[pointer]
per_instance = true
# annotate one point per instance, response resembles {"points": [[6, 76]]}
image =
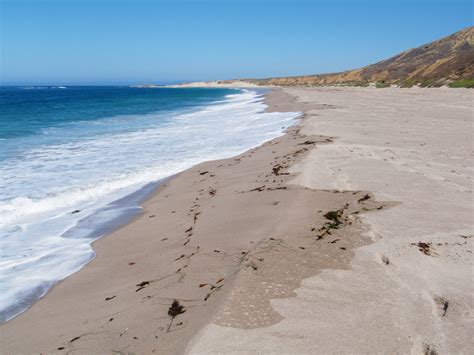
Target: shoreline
{"points": [[111, 211], [97, 310]]}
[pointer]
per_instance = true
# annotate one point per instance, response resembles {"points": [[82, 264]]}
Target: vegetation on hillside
{"points": [[448, 61]]}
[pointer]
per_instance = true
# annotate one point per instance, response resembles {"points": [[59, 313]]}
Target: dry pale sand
{"points": [[408, 146], [235, 221]]}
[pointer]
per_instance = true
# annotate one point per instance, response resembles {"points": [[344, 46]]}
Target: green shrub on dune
{"points": [[408, 83], [464, 83], [381, 84]]}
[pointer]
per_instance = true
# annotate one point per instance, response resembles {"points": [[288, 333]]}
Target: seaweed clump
{"points": [[335, 218], [175, 310]]}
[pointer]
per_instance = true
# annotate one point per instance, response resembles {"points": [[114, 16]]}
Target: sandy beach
{"points": [[411, 289], [351, 233]]}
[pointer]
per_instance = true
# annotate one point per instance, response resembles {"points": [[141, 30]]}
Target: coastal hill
{"points": [[449, 60]]}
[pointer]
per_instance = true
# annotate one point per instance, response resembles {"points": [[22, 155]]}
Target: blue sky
{"points": [[67, 42]]}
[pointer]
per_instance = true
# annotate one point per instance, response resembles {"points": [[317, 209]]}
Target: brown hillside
{"points": [[446, 60]]}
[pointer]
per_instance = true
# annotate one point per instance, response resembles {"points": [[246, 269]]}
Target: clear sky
{"points": [[56, 42]]}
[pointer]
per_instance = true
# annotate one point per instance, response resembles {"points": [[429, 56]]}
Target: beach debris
{"points": [[75, 211], [110, 298], [182, 256], [308, 143], [334, 241], [151, 216], [74, 339], [276, 169], [429, 350], [260, 188], [342, 248], [276, 188], [131, 263], [212, 191], [334, 217], [299, 151], [214, 288], [365, 198], [188, 230], [385, 260], [442, 304], [175, 310], [142, 285], [425, 248], [204, 173], [61, 348]]}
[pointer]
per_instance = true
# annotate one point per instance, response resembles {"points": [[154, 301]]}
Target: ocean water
{"points": [[75, 162]]}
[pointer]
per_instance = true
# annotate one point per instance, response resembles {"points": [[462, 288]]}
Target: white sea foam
{"points": [[44, 238]]}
